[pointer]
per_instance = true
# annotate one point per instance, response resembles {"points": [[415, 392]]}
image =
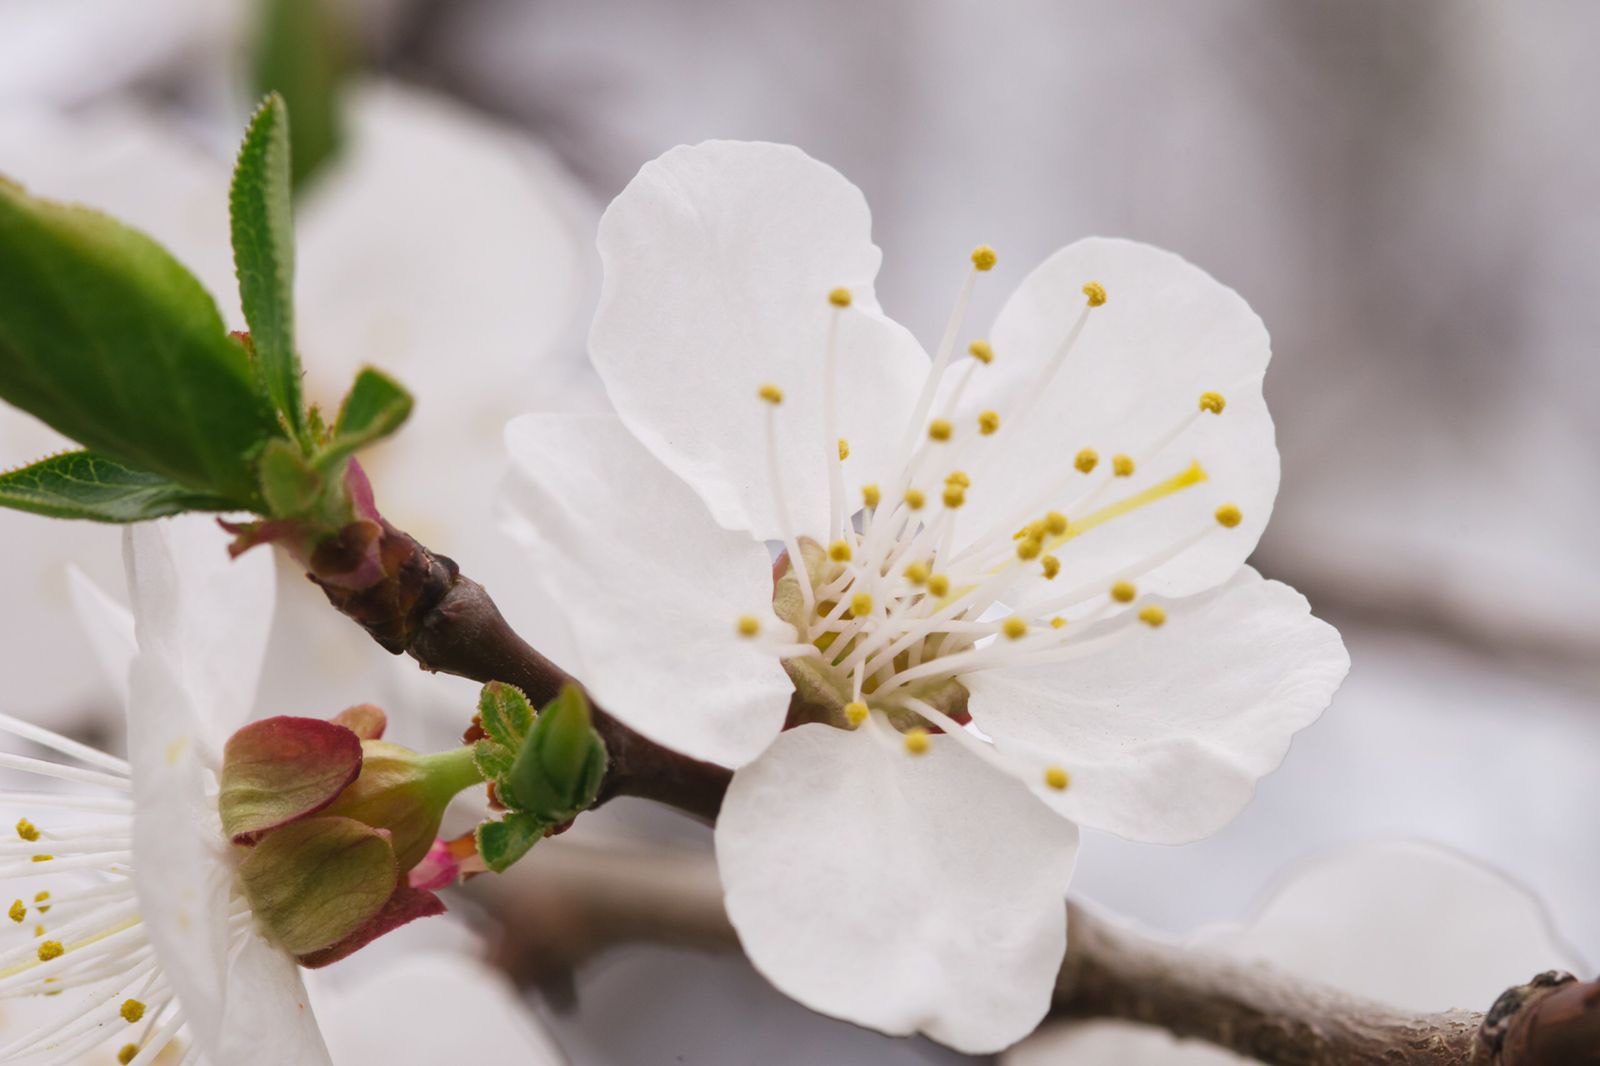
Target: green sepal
{"points": [[375, 407], [107, 338], [503, 842], [314, 882], [93, 487], [263, 255]]}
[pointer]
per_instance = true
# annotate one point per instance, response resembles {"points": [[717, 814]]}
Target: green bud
{"points": [[558, 771]]}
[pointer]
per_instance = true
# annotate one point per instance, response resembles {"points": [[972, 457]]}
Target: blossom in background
{"points": [[440, 246], [1411, 925], [1012, 585]]}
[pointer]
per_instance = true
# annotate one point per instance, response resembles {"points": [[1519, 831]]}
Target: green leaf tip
{"points": [[262, 222], [375, 407], [83, 485]]}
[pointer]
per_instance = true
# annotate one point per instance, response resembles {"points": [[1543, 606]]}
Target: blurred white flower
{"points": [[1411, 925], [1053, 540]]}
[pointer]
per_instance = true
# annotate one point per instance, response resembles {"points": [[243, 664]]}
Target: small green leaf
{"points": [[302, 54], [375, 407], [504, 842], [93, 487], [289, 485], [108, 339], [494, 759], [505, 713], [263, 255]]}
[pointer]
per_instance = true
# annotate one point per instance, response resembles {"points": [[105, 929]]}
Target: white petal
{"points": [[109, 627], [267, 1016], [435, 1008], [203, 615], [651, 587], [905, 893], [718, 263], [1167, 333], [1166, 732]]}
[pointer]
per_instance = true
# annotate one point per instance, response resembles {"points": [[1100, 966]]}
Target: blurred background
{"points": [[1408, 194]]}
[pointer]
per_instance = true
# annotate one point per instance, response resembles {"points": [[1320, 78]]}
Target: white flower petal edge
{"points": [[718, 263], [909, 894], [1410, 924], [1166, 732], [650, 585]]}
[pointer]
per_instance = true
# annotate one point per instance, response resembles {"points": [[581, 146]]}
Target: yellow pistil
{"points": [[770, 393], [1096, 293], [1057, 778], [855, 712], [983, 257], [916, 573], [861, 604], [839, 551], [1229, 515], [18, 911], [939, 585], [988, 423], [749, 625], [1124, 592], [1014, 628], [981, 351], [870, 495], [940, 429], [1122, 465], [1176, 483], [27, 830], [1052, 567], [839, 297], [1213, 402], [1057, 622], [132, 1010], [915, 499], [954, 496], [844, 449], [128, 1053], [1055, 523], [1086, 461], [916, 741], [1152, 616], [51, 949]]}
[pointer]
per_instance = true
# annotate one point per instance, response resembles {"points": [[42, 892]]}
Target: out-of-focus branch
{"points": [[577, 899]]}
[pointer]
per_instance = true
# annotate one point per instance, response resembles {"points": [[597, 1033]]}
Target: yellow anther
{"points": [[1096, 293], [915, 499], [939, 585], [1052, 567], [770, 393], [132, 1010], [870, 495], [1229, 515], [1014, 628], [940, 429], [43, 858], [1028, 548], [861, 604], [1213, 402], [1055, 523], [855, 712], [839, 297], [1086, 460], [1122, 465], [988, 422], [41, 897], [981, 351], [41, 901], [839, 551], [18, 911], [954, 496], [27, 830], [1036, 529], [128, 1053], [38, 930], [1124, 592], [916, 741], [749, 625], [958, 477], [916, 573], [983, 257], [1057, 778], [51, 949], [844, 449], [1151, 615], [1057, 622]]}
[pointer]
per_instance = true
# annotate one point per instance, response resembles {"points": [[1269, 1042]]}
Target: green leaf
{"points": [[504, 842], [505, 714], [375, 407], [108, 339], [93, 487], [289, 485], [494, 760], [301, 53], [263, 255]]}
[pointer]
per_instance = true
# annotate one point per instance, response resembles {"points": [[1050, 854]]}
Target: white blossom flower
{"points": [[127, 897], [1055, 523], [1407, 924]]}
